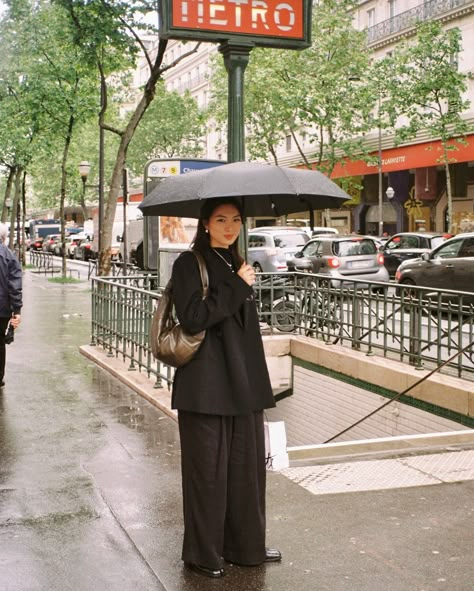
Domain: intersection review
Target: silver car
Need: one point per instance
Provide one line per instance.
(343, 259)
(270, 247)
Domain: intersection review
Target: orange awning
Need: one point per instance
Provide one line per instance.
(405, 158)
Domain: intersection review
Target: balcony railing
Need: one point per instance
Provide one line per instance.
(406, 20)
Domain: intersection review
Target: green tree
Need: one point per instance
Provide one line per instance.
(52, 89)
(268, 115)
(111, 33)
(312, 91)
(67, 86)
(427, 91)
(172, 127)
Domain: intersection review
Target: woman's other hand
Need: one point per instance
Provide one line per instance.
(247, 273)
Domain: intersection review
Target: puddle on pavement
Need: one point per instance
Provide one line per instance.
(131, 416)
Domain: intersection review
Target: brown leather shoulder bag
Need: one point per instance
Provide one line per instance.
(169, 342)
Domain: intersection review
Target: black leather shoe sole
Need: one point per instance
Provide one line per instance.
(213, 573)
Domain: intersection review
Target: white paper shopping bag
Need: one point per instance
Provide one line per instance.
(276, 456)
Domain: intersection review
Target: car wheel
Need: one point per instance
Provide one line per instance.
(257, 268)
(407, 291)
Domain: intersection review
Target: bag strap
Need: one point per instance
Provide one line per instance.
(203, 272)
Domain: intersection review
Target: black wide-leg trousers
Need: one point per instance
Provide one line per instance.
(223, 472)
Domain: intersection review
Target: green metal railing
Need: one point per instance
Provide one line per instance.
(122, 309)
(419, 326)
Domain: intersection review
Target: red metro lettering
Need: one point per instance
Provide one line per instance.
(249, 17)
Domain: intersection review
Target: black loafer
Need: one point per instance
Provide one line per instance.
(214, 573)
(272, 555)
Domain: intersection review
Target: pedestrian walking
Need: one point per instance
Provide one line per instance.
(220, 396)
(10, 294)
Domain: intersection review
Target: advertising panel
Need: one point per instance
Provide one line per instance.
(165, 236)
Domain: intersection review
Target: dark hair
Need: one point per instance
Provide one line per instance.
(201, 241)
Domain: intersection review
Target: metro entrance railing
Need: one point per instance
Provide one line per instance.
(419, 326)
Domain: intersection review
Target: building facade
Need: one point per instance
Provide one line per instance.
(412, 170)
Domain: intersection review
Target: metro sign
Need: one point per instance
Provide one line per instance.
(269, 23)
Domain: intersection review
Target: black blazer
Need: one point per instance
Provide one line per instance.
(228, 375)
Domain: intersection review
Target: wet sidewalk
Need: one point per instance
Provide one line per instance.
(90, 490)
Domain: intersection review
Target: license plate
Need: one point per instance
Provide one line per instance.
(360, 264)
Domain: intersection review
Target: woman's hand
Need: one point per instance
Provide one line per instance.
(247, 273)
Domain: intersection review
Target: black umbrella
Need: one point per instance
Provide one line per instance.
(266, 190)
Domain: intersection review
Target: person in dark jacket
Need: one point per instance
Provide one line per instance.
(220, 396)
(10, 294)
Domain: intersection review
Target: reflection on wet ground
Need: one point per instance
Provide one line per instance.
(131, 416)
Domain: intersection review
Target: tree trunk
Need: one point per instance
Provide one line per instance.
(117, 174)
(23, 220)
(449, 192)
(62, 194)
(8, 192)
(15, 206)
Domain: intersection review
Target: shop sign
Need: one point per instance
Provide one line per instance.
(423, 155)
(269, 23)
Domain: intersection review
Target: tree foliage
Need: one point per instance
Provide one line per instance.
(173, 126)
(308, 93)
(427, 92)
(57, 91)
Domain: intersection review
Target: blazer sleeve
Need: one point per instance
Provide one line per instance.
(14, 284)
(196, 314)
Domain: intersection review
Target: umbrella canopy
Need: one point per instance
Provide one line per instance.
(265, 190)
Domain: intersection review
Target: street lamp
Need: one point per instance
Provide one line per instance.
(379, 167)
(84, 169)
(390, 193)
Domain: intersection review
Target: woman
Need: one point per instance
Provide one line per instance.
(220, 396)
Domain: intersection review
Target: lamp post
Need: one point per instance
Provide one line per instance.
(379, 167)
(84, 169)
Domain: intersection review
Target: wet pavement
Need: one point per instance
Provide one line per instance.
(90, 490)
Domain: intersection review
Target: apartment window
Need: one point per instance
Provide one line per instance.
(288, 143)
(392, 8)
(371, 17)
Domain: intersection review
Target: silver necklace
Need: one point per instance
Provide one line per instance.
(223, 258)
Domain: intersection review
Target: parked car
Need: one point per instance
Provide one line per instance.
(270, 247)
(409, 245)
(49, 242)
(37, 244)
(70, 244)
(354, 258)
(449, 266)
(83, 250)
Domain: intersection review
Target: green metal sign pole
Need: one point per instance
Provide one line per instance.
(236, 58)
